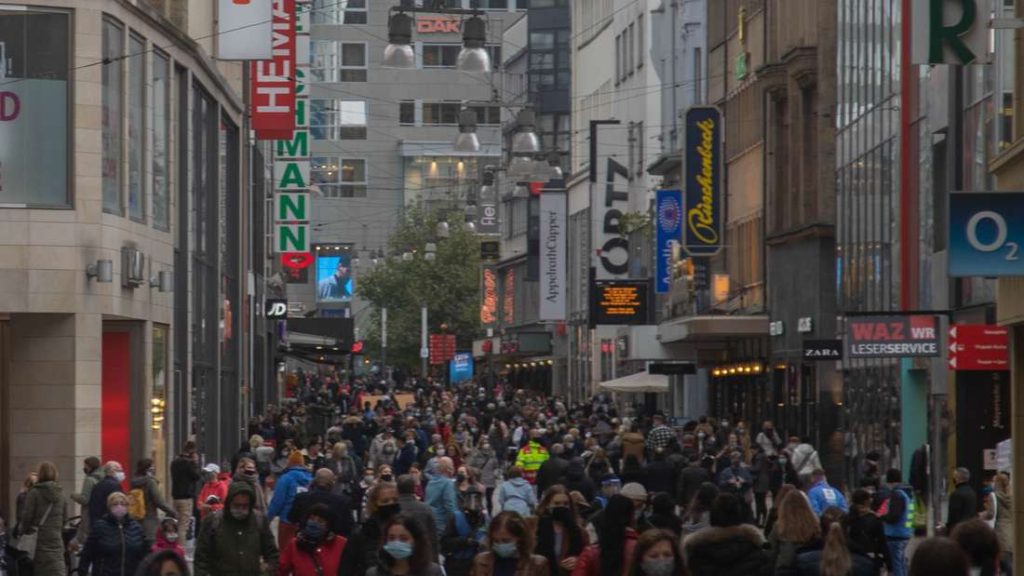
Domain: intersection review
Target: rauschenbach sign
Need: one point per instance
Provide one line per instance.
(895, 336)
(702, 232)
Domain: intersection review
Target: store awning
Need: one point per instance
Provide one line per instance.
(639, 382)
(712, 328)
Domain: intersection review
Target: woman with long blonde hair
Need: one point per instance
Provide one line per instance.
(796, 529)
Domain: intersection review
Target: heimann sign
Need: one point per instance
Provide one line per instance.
(895, 336)
(273, 81)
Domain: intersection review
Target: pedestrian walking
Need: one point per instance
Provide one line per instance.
(441, 494)
(612, 554)
(44, 515)
(295, 478)
(866, 531)
(406, 551)
(145, 499)
(214, 492)
(657, 554)
(940, 557)
(834, 557)
(509, 550)
(516, 494)
(163, 563)
(316, 550)
(116, 544)
(560, 536)
(167, 537)
(185, 480)
(797, 528)
(963, 502)
(248, 472)
(896, 510)
(410, 505)
(729, 547)
(981, 544)
(465, 534)
(237, 540)
(532, 456)
(823, 495)
(805, 460)
(321, 492)
(93, 475)
(362, 551)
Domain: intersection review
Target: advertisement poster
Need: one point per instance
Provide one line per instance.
(334, 282)
(460, 368)
(669, 212)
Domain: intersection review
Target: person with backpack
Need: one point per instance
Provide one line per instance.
(295, 478)
(465, 534)
(235, 541)
(145, 498)
(896, 509)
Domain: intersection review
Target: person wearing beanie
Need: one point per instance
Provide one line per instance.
(295, 477)
(638, 494)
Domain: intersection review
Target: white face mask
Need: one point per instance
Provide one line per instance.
(119, 476)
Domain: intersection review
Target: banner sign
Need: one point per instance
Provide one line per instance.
(552, 254)
(669, 220)
(609, 199)
(442, 348)
(949, 31)
(894, 336)
(818, 350)
(702, 181)
(460, 368)
(273, 80)
(244, 29)
(986, 232)
(489, 297)
(618, 302)
(979, 347)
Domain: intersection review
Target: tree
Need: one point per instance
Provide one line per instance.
(449, 286)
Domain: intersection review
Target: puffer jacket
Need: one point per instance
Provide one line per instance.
(729, 551)
(518, 495)
(50, 544)
(113, 548)
(230, 547)
(285, 491)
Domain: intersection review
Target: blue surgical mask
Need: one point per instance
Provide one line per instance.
(659, 566)
(506, 549)
(398, 550)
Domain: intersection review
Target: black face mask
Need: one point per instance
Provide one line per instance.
(562, 514)
(388, 511)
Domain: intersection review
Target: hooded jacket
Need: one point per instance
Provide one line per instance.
(50, 544)
(254, 484)
(729, 551)
(518, 495)
(154, 501)
(227, 546)
(113, 548)
(285, 491)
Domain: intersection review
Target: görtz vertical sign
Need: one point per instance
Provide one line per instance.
(702, 223)
(273, 80)
(292, 202)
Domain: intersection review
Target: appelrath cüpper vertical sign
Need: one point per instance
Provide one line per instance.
(552, 254)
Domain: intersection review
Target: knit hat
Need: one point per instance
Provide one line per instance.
(296, 459)
(634, 491)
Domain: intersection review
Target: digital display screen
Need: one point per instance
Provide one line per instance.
(334, 282)
(618, 303)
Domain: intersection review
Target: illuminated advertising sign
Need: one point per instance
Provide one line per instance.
(669, 220)
(438, 25)
(334, 282)
(702, 230)
(618, 302)
(244, 29)
(986, 232)
(508, 297)
(460, 368)
(273, 80)
(489, 296)
(894, 336)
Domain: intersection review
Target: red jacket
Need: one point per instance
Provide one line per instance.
(295, 562)
(589, 562)
(218, 488)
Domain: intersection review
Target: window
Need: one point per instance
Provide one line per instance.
(549, 61)
(487, 115)
(338, 119)
(441, 113)
(490, 4)
(618, 59)
(640, 49)
(113, 110)
(334, 61)
(407, 113)
(343, 12)
(34, 71)
(436, 55)
(555, 131)
(698, 71)
(628, 47)
(160, 120)
(353, 62)
(534, 4)
(339, 177)
(136, 127)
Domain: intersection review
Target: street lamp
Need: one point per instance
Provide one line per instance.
(467, 140)
(399, 53)
(473, 57)
(525, 142)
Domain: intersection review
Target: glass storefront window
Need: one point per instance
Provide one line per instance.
(160, 119)
(113, 111)
(440, 180)
(34, 65)
(136, 126)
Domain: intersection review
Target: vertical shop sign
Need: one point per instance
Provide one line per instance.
(273, 80)
(669, 216)
(552, 254)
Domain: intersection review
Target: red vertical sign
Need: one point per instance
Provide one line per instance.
(273, 81)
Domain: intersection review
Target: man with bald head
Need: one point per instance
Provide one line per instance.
(113, 476)
(440, 494)
(321, 491)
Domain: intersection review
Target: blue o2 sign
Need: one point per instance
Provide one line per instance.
(986, 232)
(702, 224)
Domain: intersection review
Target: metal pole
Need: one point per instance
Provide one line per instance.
(423, 341)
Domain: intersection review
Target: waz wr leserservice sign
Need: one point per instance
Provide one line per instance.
(894, 336)
(702, 225)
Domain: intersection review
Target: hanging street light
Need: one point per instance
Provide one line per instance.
(525, 142)
(399, 53)
(467, 140)
(474, 57)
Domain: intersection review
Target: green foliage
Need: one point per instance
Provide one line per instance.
(449, 286)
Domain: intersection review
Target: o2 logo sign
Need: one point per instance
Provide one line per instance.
(986, 230)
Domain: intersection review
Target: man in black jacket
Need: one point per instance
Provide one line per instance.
(321, 492)
(112, 479)
(690, 479)
(184, 479)
(963, 502)
(552, 470)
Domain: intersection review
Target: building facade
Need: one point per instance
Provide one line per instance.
(122, 276)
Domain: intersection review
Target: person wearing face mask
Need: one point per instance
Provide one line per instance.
(235, 541)
(657, 554)
(316, 550)
(465, 534)
(612, 555)
(485, 460)
(116, 543)
(167, 537)
(560, 536)
(467, 481)
(93, 476)
(248, 472)
(508, 539)
(113, 476)
(214, 491)
(321, 493)
(146, 484)
(405, 551)
(361, 551)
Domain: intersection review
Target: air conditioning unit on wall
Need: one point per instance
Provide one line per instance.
(133, 267)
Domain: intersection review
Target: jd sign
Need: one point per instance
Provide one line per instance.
(950, 31)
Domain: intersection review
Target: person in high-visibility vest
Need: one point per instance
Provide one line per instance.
(897, 510)
(531, 457)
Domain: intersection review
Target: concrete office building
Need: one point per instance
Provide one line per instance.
(383, 138)
(123, 237)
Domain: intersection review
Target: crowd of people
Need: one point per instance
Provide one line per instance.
(421, 479)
